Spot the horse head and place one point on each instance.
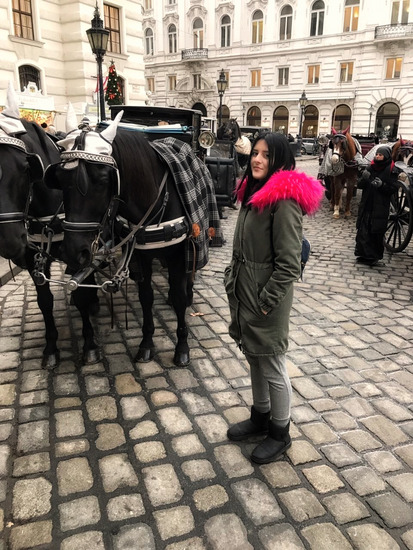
(229, 130)
(402, 151)
(88, 177)
(342, 145)
(19, 170)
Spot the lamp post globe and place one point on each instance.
(302, 102)
(222, 84)
(98, 39)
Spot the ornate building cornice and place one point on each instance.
(225, 8)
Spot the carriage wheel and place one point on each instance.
(400, 223)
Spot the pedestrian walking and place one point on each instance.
(378, 183)
(266, 261)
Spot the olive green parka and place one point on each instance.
(266, 260)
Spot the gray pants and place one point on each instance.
(271, 387)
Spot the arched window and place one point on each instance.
(172, 40)
(317, 18)
(198, 30)
(280, 120)
(225, 31)
(351, 15)
(387, 121)
(310, 122)
(257, 27)
(28, 73)
(149, 42)
(400, 12)
(341, 118)
(225, 114)
(286, 23)
(200, 107)
(254, 116)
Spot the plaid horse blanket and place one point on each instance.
(195, 187)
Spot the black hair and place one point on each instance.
(280, 157)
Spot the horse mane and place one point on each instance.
(37, 141)
(351, 146)
(395, 150)
(138, 164)
(233, 125)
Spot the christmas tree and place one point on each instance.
(113, 95)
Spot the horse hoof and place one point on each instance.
(91, 356)
(347, 215)
(336, 216)
(50, 360)
(144, 355)
(181, 359)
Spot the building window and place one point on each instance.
(283, 76)
(226, 31)
(171, 2)
(351, 15)
(257, 27)
(393, 67)
(317, 18)
(172, 82)
(346, 72)
(150, 83)
(148, 4)
(172, 39)
(254, 116)
(255, 78)
(28, 73)
(197, 81)
(226, 73)
(313, 74)
(400, 12)
(286, 23)
(112, 23)
(198, 30)
(149, 42)
(22, 19)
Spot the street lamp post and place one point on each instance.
(98, 39)
(371, 111)
(222, 86)
(302, 103)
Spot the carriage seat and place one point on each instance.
(222, 172)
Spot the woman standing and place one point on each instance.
(378, 183)
(266, 261)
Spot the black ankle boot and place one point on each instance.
(256, 425)
(273, 446)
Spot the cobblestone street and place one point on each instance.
(125, 456)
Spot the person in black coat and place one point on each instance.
(378, 183)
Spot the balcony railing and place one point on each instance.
(195, 53)
(389, 32)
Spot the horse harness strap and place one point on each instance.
(160, 235)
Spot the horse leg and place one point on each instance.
(146, 349)
(181, 292)
(336, 195)
(349, 196)
(45, 301)
(85, 300)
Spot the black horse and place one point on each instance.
(30, 211)
(131, 194)
(231, 131)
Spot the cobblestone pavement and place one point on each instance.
(120, 455)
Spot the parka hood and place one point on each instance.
(283, 185)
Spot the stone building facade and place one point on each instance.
(46, 54)
(352, 58)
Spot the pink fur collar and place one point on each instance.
(283, 185)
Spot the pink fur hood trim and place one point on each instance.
(283, 185)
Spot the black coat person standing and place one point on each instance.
(378, 183)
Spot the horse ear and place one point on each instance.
(401, 141)
(110, 132)
(12, 108)
(344, 132)
(333, 131)
(71, 118)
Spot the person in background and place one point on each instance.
(259, 283)
(378, 183)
